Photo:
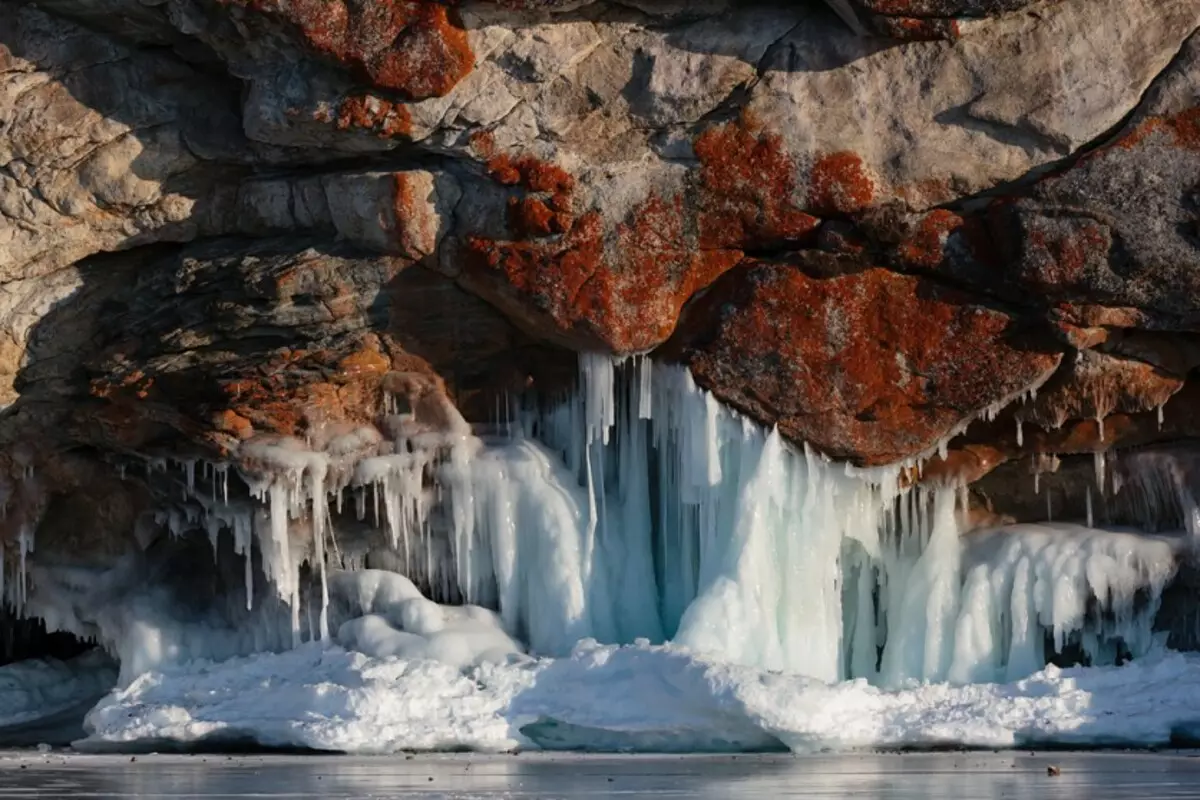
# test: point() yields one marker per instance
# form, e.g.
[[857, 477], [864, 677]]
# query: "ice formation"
[[636, 510], [37, 689]]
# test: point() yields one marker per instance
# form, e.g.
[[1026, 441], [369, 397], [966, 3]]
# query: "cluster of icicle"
[[639, 507], [22, 502]]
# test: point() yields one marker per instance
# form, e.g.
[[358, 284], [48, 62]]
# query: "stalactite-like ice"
[[641, 508], [1097, 590]]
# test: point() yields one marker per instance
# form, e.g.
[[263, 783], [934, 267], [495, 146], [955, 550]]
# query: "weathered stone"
[[95, 150], [869, 365], [198, 350], [1095, 385], [590, 168], [994, 117]]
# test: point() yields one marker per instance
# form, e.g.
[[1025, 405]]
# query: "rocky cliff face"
[[878, 224]]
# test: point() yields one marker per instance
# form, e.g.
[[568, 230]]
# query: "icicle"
[[280, 564], [645, 388], [316, 477], [1160, 415], [1020, 434], [1049, 508], [1098, 459], [1100, 425], [25, 544], [1091, 522], [243, 544]]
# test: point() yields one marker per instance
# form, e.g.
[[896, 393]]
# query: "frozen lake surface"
[[929, 776]]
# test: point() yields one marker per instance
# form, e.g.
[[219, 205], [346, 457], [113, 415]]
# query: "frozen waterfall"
[[638, 508]]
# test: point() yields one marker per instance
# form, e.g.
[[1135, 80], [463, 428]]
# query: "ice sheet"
[[638, 697]]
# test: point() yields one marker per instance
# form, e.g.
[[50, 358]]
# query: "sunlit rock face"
[[542, 304]]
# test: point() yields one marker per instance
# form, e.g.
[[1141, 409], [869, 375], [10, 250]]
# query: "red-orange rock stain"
[[531, 217], [404, 211], [628, 293], [234, 424], [748, 189], [914, 29], [840, 184], [551, 273], [287, 394], [622, 287], [1060, 259], [367, 362], [417, 48], [1183, 130], [926, 247], [653, 271], [375, 115], [872, 365]]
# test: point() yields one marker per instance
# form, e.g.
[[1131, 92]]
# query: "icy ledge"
[[639, 697]]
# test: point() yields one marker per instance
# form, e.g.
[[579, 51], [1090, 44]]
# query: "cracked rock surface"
[[870, 222]]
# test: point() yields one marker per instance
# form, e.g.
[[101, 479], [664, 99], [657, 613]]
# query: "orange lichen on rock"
[[548, 213], [748, 189], [582, 280], [235, 425], [416, 221], [362, 363], [372, 114], [1058, 254], [622, 291], [840, 184], [874, 366], [1185, 128], [1181, 130], [415, 47], [926, 247], [290, 392], [532, 217], [654, 268]]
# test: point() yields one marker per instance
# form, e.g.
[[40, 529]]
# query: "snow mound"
[[640, 697]]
